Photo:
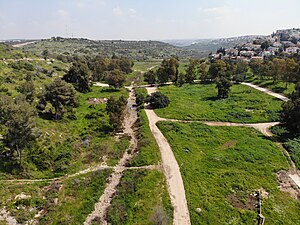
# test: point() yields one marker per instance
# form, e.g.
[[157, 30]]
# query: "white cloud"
[[132, 12], [62, 13], [117, 11]]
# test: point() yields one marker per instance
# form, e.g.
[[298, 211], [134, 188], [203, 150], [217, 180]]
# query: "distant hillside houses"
[[281, 42]]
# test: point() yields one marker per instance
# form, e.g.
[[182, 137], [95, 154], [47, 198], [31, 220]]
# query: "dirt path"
[[23, 44], [267, 91], [264, 128], [102, 205], [171, 170]]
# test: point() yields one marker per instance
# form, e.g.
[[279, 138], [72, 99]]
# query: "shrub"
[[157, 100]]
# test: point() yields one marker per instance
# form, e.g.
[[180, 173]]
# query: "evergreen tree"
[[80, 76]]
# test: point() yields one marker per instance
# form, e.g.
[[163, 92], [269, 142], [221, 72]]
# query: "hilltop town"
[[282, 42]]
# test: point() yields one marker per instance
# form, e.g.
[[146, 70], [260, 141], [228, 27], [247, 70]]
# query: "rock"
[[198, 210]]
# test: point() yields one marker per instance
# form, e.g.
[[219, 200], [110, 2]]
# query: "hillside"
[[136, 50], [206, 46]]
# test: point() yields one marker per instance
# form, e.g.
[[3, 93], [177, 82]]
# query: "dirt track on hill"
[[171, 170], [102, 205]]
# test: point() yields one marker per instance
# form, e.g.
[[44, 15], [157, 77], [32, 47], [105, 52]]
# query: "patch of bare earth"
[[286, 184], [236, 202]]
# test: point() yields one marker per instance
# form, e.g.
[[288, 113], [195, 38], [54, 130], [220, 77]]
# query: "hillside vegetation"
[[230, 164]]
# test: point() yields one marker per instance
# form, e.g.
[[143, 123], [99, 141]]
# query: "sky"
[[145, 19]]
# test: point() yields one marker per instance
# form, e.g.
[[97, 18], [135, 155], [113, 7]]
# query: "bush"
[[293, 147], [157, 100]]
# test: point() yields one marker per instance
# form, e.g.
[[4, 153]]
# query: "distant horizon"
[[117, 39], [145, 20]]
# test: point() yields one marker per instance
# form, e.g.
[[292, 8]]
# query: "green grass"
[[279, 87], [67, 137], [148, 149], [76, 199], [200, 102], [149, 153], [143, 66], [139, 193], [217, 162], [182, 66]]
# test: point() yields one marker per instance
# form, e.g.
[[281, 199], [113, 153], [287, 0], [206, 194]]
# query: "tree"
[[290, 115], [80, 76], [125, 64], [115, 109], [290, 72], [256, 66], [223, 86], [116, 78], [168, 70], [28, 90], [181, 79], [172, 70], [162, 75], [157, 100], [191, 71], [265, 45], [61, 95], [19, 119], [218, 69], [278, 69], [150, 77]]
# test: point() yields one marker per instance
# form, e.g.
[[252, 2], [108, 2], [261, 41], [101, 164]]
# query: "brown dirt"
[[230, 144], [237, 203], [96, 101], [286, 184], [171, 170]]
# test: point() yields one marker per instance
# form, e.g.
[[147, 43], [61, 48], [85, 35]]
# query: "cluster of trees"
[[277, 69], [290, 115], [84, 72], [168, 71], [112, 70]]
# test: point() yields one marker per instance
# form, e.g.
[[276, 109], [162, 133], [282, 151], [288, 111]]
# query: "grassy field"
[[279, 87], [143, 66], [141, 194], [200, 102], [222, 166]]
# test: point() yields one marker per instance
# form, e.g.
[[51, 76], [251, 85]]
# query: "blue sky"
[[145, 19]]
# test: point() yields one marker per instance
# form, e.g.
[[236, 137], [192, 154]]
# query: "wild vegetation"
[[142, 198], [71, 129], [200, 102], [230, 164], [68, 48]]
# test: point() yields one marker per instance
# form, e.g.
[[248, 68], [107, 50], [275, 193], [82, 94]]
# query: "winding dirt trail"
[[171, 170], [102, 205], [267, 91]]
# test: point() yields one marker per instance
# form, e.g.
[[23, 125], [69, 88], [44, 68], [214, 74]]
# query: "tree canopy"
[[61, 95]]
